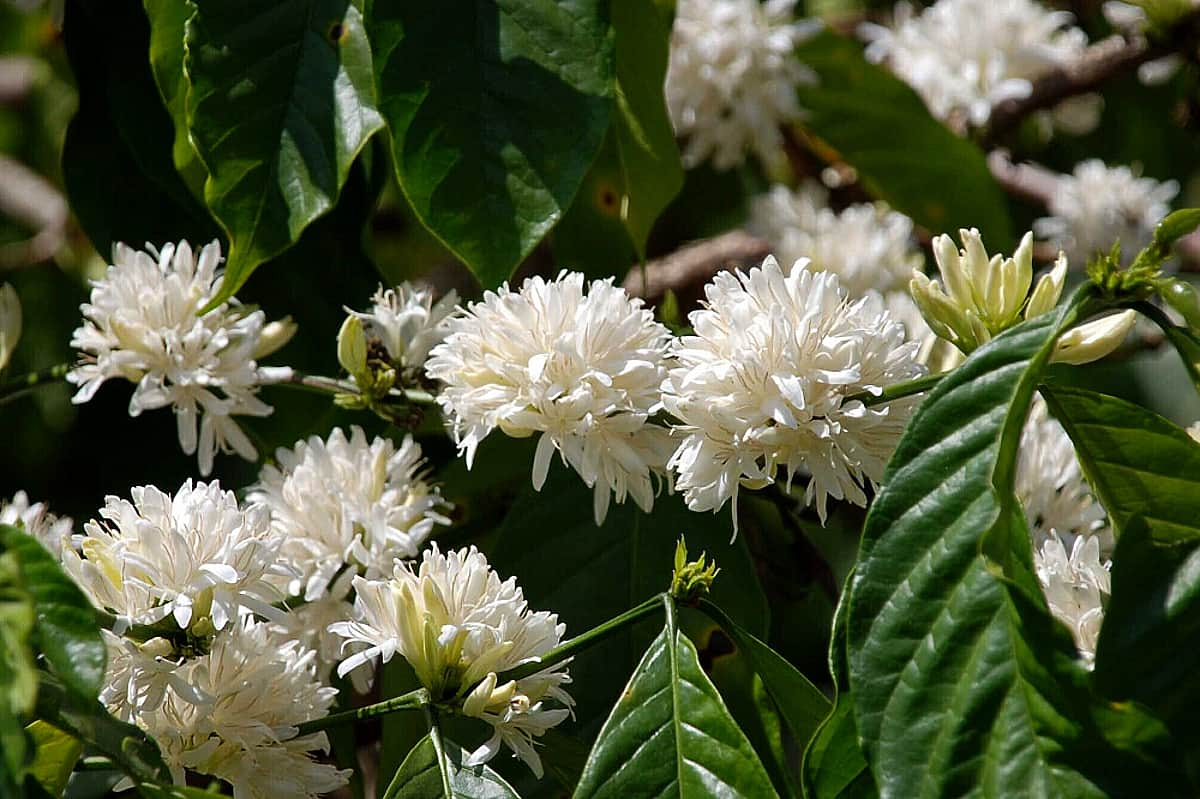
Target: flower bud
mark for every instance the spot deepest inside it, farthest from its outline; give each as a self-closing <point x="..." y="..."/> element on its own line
<point x="352" y="346"/>
<point x="10" y="323"/>
<point x="1182" y="296"/>
<point x="1093" y="340"/>
<point x="274" y="336"/>
<point x="1048" y="289"/>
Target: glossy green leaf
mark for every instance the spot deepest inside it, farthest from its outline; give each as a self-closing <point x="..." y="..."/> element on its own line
<point x="882" y="128"/>
<point x="1146" y="472"/>
<point x="168" y="23"/>
<point x="491" y="140"/>
<point x="963" y="684"/>
<point x="670" y="735"/>
<point x="18" y="674"/>
<point x="66" y="633"/>
<point x="282" y="100"/>
<point x="117" y="162"/>
<point x="55" y="756"/>
<point x="434" y="770"/>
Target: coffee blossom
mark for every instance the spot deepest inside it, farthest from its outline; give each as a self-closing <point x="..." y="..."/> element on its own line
<point x="143" y="324"/>
<point x="580" y="370"/>
<point x="459" y="625"/>
<point x="52" y="531"/>
<point x="765" y="383"/>
<point x="732" y="77"/>
<point x="407" y="323"/>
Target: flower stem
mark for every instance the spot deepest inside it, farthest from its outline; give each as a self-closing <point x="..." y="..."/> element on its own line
<point x="319" y="384"/>
<point x="413" y="700"/>
<point x="140" y="632"/>
<point x="897" y="390"/>
<point x="45" y="377"/>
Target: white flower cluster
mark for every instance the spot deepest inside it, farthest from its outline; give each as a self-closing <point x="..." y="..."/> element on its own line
<point x="965" y="56"/>
<point x="1070" y="540"/>
<point x="407" y="323"/>
<point x="1097" y="205"/>
<point x="582" y="370"/>
<point x="52" y="531"/>
<point x="766" y="382"/>
<point x="458" y="625"/>
<point x="143" y="324"/>
<point x="732" y="78"/>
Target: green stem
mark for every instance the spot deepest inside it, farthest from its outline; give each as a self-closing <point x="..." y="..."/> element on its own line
<point x="1182" y="338"/>
<point x="581" y="642"/>
<point x="319" y="384"/>
<point x="413" y="700"/>
<point x="45" y="377"/>
<point x="141" y="632"/>
<point x="897" y="390"/>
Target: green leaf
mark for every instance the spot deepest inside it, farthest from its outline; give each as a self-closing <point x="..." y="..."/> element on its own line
<point x="492" y="138"/>
<point x="18" y="674"/>
<point x="1146" y="472"/>
<point x="963" y="684"/>
<point x="168" y="22"/>
<point x="434" y="770"/>
<point x="117" y="162"/>
<point x="902" y="154"/>
<point x="671" y="735"/>
<point x="66" y="633"/>
<point x="55" y="756"/>
<point x="282" y="100"/>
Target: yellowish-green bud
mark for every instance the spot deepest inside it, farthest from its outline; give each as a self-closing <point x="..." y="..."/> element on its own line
<point x="274" y="336"/>
<point x="1048" y="289"/>
<point x="352" y="346"/>
<point x="1093" y="340"/>
<point x="10" y="323"/>
<point x="941" y="314"/>
<point x="691" y="579"/>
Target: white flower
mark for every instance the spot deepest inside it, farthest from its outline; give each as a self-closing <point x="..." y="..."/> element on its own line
<point x="458" y="625"/>
<point x="52" y="531"/>
<point x="407" y="322"/>
<point x="869" y="247"/>
<point x="233" y="713"/>
<point x="1075" y="586"/>
<point x="1097" y="205"/>
<point x="965" y="56"/>
<point x="584" y="371"/>
<point x="197" y="557"/>
<point x="10" y="322"/>
<point x="139" y="675"/>
<point x="143" y="324"/>
<point x="764" y="384"/>
<point x="732" y="77"/>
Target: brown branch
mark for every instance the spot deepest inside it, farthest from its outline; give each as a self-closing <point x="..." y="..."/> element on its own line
<point x="686" y="270"/>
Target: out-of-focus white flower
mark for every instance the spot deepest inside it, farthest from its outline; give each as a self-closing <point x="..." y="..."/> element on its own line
<point x="340" y="501"/>
<point x="764" y="382"/>
<point x="52" y="531"/>
<point x="459" y="625"/>
<point x="582" y="370"/>
<point x="309" y="624"/>
<point x="1097" y="205"/>
<point x="10" y="322"/>
<point x="965" y="56"/>
<point x="198" y="557"/>
<point x="732" y="78"/>
<point x="408" y="323"/>
<point x="1131" y="20"/>
<point x="237" y="716"/>
<point x="142" y="324"/>
<point x="1064" y="517"/>
<point x="869" y="247"/>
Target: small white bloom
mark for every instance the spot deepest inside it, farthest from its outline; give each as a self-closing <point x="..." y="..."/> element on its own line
<point x="10" y="323"/>
<point x="965" y="56"/>
<point x="459" y="625"/>
<point x="582" y="370"/>
<point x="1097" y="205"/>
<point x="408" y="323"/>
<point x="52" y="531"/>
<point x="1075" y="586"/>
<point x="142" y="324"/>
<point x="198" y="557"/>
<point x="732" y="77"/>
<point x="764" y="382"/>
<point x="233" y="714"/>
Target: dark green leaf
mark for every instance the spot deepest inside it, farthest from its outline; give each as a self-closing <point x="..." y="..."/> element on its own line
<point x="962" y="682"/>
<point x="882" y="128"/>
<point x="434" y="770"/>
<point x="282" y="100"/>
<point x="670" y="735"/>
<point x="492" y="138"/>
<point x="54" y="758"/>
<point x="168" y="21"/>
<point x="18" y="674"/>
<point x="66" y="632"/>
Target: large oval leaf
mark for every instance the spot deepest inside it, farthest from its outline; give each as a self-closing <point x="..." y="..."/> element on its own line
<point x="670" y="735"/>
<point x="492" y="137"/>
<point x="434" y="770"/>
<point x="882" y="128"/>
<point x="282" y="100"/>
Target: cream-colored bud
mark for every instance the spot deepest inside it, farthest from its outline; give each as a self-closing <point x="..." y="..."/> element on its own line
<point x="1093" y="340"/>
<point x="10" y="323"/>
<point x="940" y="313"/>
<point x="352" y="346"/>
<point x="274" y="336"/>
<point x="949" y="262"/>
<point x="1048" y="289"/>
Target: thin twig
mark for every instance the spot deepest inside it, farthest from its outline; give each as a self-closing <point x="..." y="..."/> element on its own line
<point x="686" y="270"/>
